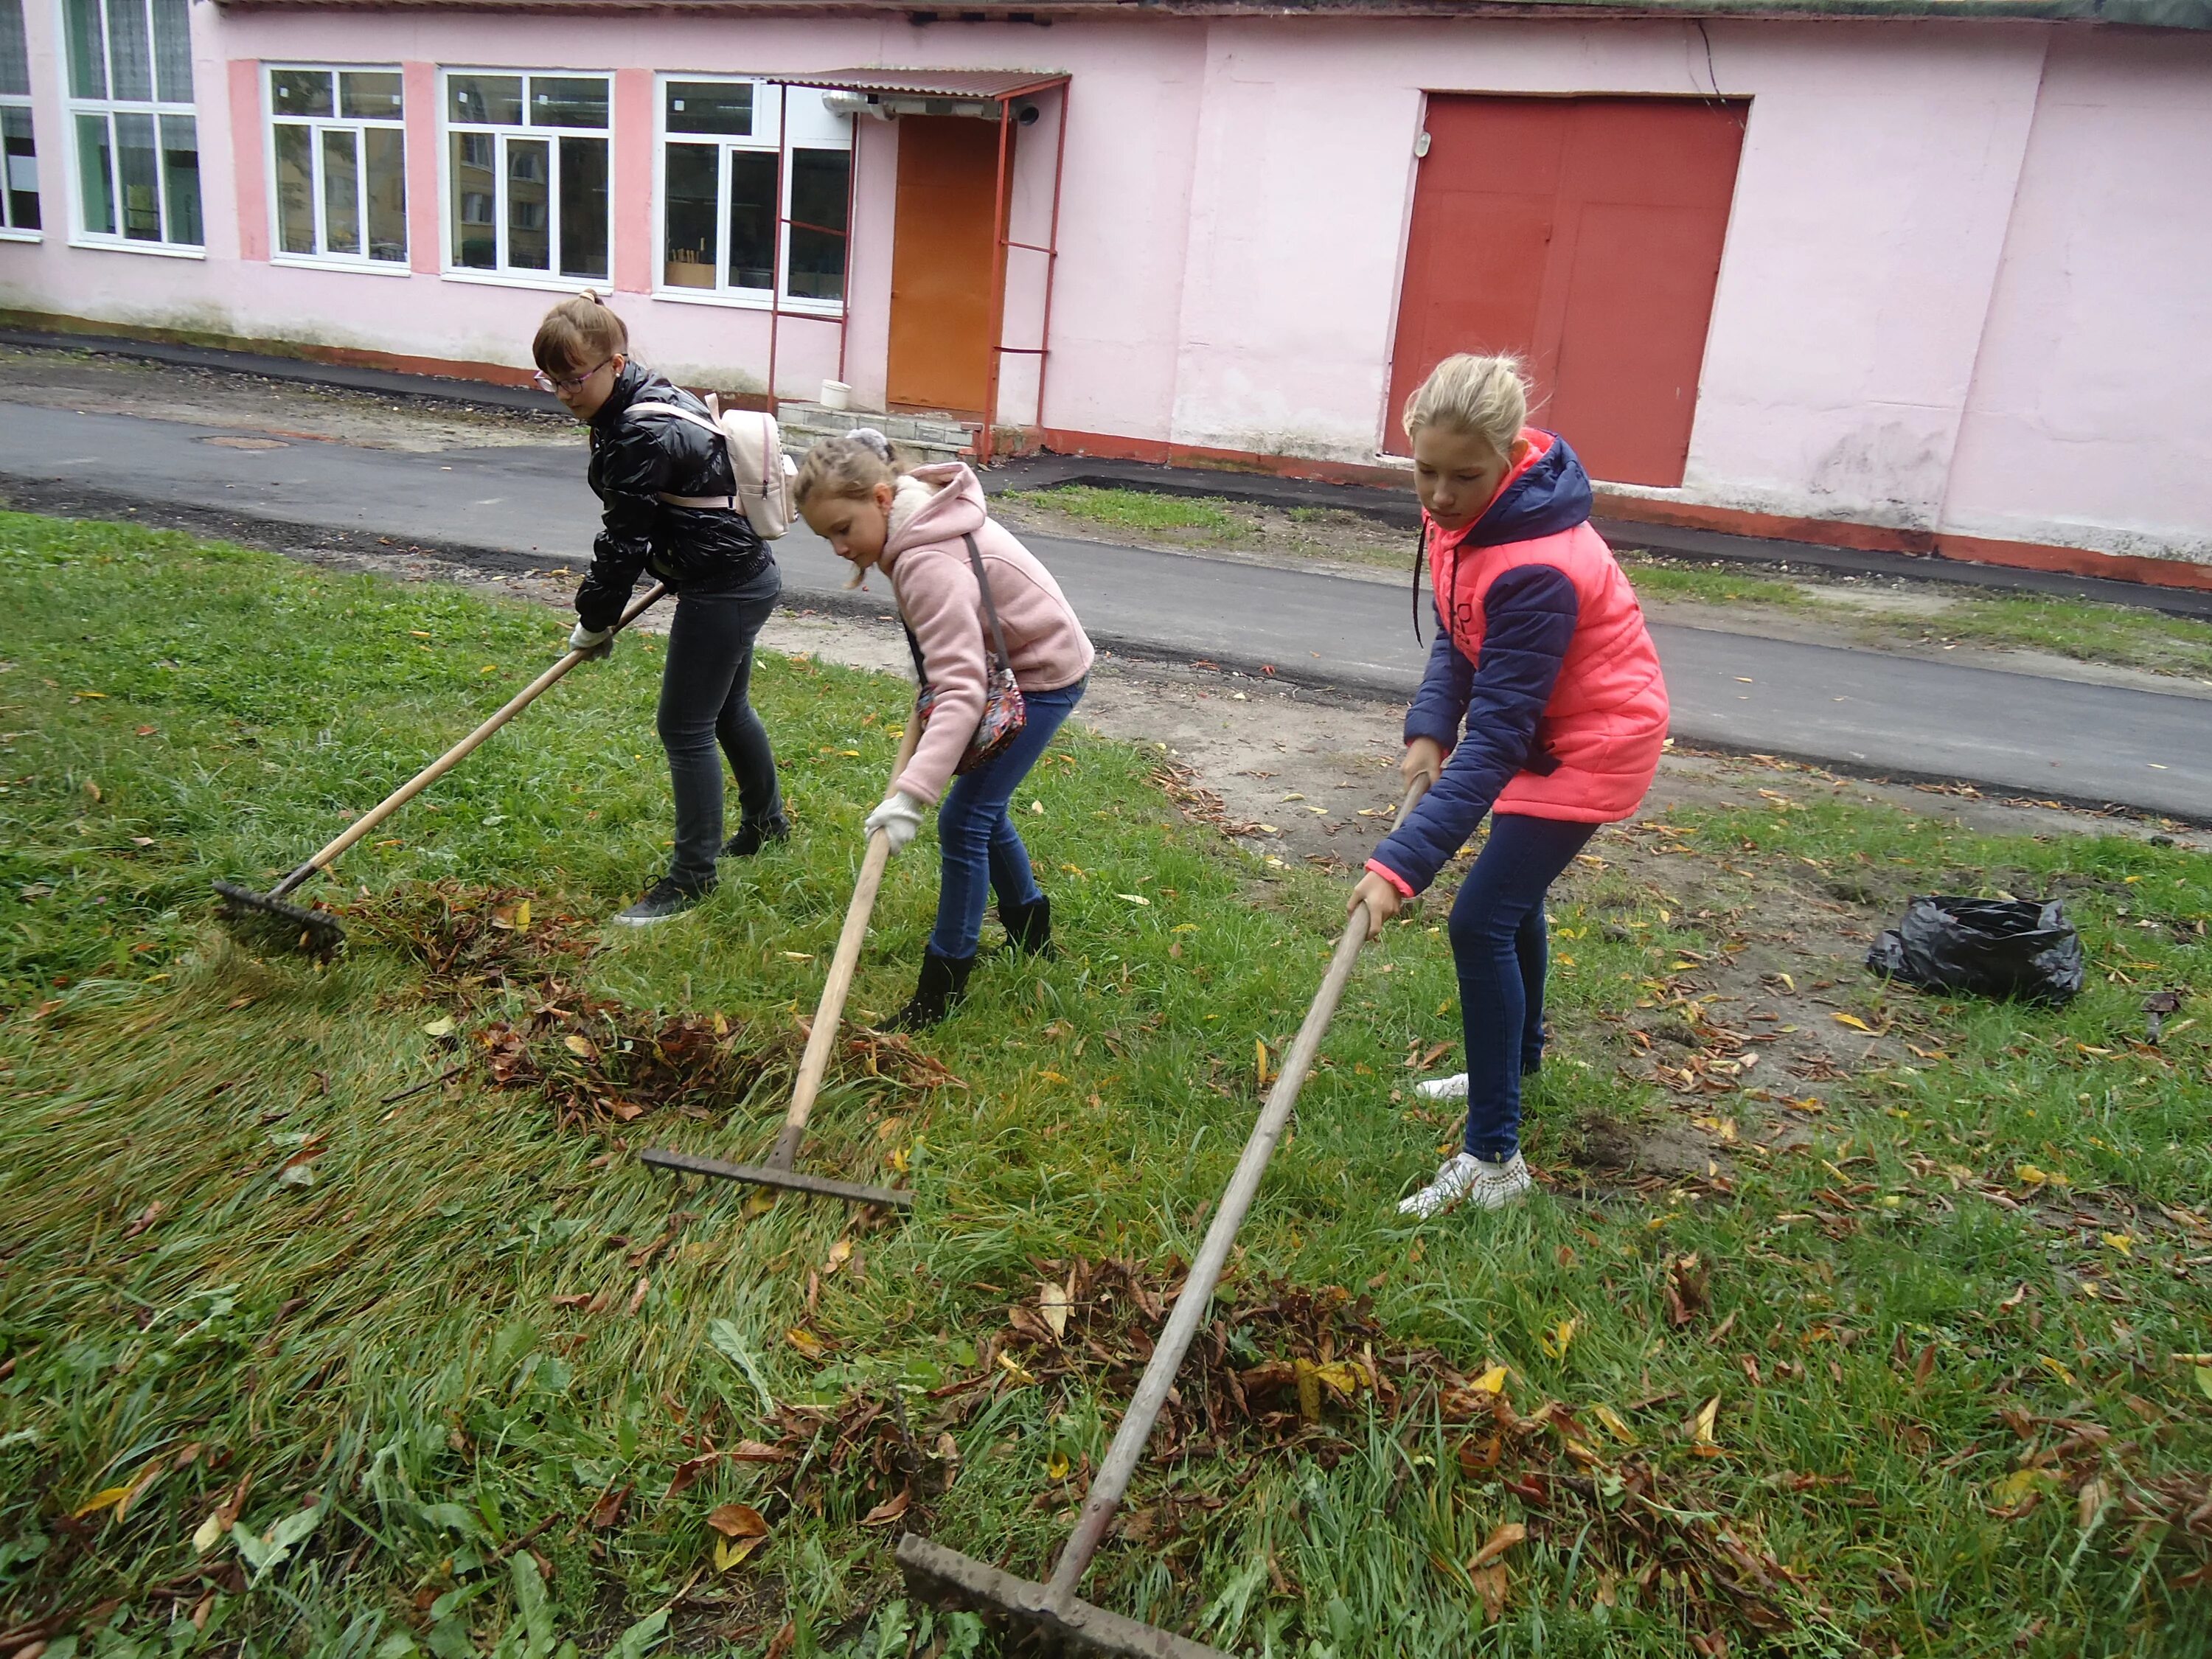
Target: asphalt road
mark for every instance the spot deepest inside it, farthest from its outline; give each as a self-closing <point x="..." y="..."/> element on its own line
<point x="1868" y="710"/>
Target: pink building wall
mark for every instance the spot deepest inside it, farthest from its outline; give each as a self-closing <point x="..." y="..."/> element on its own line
<point x="1962" y="291"/>
<point x="2089" y="421"/>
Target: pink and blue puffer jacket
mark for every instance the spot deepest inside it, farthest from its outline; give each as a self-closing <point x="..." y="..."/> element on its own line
<point x="1542" y="652"/>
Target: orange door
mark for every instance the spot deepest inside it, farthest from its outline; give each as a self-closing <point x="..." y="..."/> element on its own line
<point x="942" y="253"/>
<point x="1584" y="233"/>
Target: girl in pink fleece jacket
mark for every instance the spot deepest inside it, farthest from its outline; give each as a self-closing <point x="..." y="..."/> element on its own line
<point x="915" y="527"/>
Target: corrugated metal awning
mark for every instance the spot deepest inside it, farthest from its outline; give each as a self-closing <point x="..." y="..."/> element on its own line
<point x="991" y="85"/>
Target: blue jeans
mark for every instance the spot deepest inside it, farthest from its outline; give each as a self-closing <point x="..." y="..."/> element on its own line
<point x="979" y="850"/>
<point x="1500" y="944"/>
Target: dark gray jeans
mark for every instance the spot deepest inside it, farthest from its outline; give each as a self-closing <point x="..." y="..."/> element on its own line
<point x="703" y="704"/>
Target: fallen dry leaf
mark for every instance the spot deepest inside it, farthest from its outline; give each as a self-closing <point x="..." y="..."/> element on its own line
<point x="886" y="1512"/>
<point x="1702" y="1440"/>
<point x="580" y="1046"/>
<point x="687" y="1474"/>
<point x="1614" y="1425"/>
<point x="806" y="1342"/>
<point x="1053" y="1304"/>
<point x="146" y="1218"/>
<point x="730" y="1552"/>
<point x="1500" y="1540"/>
<point x="738" y="1521"/>
<point x="608" y="1510"/>
<point x="840" y="1254"/>
<point x="1490" y="1584"/>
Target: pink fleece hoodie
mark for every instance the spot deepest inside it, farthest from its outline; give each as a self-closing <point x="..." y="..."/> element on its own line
<point x="935" y="586"/>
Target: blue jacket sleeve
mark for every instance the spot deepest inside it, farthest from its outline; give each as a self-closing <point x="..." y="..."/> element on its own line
<point x="1441" y="703"/>
<point x="1528" y="621"/>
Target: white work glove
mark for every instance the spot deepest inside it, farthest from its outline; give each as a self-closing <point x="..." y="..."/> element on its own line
<point x="899" y="818"/>
<point x="596" y="643"/>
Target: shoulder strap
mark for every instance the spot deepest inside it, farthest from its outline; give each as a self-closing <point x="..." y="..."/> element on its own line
<point x="681" y="414"/>
<point x="725" y="503"/>
<point x="990" y="608"/>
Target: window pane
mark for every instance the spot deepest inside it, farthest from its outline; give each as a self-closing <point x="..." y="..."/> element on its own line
<point x="23" y="169"/>
<point x="818" y="180"/>
<point x="129" y="52"/>
<point x="138" y="170"/>
<point x="752" y="218"/>
<point x="583" y="207"/>
<point x="385" y="154"/>
<point x="14" y="50"/>
<point x="87" y="50"/>
<point x="475" y="201"/>
<point x="529" y="236"/>
<point x="493" y="99"/>
<point x="97" y="174"/>
<point x="300" y="92"/>
<point x="173" y="51"/>
<point x="694" y="184"/>
<point x="711" y="107"/>
<point x="369" y="97"/>
<point x="341" y="191"/>
<point x="296" y="189"/>
<point x="180" y="178"/>
<point x="568" y="102"/>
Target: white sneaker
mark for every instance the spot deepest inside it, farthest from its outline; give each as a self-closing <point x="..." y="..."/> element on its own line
<point x="1443" y="1088"/>
<point x="1467" y="1179"/>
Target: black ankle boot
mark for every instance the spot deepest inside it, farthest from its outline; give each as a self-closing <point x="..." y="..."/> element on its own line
<point x="751" y="837"/>
<point x="944" y="982"/>
<point x="1029" y="926"/>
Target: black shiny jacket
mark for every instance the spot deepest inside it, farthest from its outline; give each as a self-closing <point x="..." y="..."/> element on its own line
<point x="635" y="459"/>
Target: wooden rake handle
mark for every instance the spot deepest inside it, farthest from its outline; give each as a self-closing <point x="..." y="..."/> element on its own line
<point x="1112" y="1480"/>
<point x="824" y="1038"/>
<point x="453" y="757"/>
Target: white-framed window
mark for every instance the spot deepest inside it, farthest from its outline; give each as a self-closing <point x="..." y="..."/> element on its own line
<point x="525" y="164"/>
<point x="337" y="149"/>
<point x="133" y="135"/>
<point x="19" y="155"/>
<point x="723" y="144"/>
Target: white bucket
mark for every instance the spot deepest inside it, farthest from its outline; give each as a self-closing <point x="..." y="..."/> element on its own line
<point x="835" y="394"/>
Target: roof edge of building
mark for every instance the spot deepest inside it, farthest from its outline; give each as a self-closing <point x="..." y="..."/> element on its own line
<point x="2140" y="14"/>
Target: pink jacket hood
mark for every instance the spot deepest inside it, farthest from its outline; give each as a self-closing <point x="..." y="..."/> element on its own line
<point x="925" y="554"/>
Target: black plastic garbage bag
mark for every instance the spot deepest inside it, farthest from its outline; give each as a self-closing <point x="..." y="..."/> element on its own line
<point x="1992" y="947"/>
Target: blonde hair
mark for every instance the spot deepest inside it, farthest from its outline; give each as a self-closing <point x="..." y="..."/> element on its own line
<point x="579" y="333"/>
<point x="845" y="469"/>
<point x="1487" y="397"/>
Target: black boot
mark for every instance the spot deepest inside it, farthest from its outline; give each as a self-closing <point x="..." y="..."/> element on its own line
<point x="1029" y="926"/>
<point x="944" y="982"/>
<point x="751" y="837"/>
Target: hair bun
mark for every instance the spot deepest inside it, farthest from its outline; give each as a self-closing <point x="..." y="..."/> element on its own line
<point x="868" y="438"/>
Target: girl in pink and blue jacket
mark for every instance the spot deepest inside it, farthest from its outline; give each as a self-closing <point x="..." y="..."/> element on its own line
<point x="1541" y="654"/>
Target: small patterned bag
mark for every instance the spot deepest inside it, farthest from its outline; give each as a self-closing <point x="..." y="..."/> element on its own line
<point x="1005" y="714"/>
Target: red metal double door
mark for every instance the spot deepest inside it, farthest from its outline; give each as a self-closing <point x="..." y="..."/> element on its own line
<point x="1584" y="233"/>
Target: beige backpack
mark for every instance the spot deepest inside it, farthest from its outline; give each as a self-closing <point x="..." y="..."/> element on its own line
<point x="764" y="473"/>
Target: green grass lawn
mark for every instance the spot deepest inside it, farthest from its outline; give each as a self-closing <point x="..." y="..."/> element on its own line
<point x="1142" y="510"/>
<point x="294" y="1362"/>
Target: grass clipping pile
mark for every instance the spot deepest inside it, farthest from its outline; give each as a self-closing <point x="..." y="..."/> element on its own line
<point x="1283" y="1371"/>
<point x="595" y="1060"/>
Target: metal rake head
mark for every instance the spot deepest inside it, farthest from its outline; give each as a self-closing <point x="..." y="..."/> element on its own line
<point x="275" y="923"/>
<point x="1029" y="1612"/>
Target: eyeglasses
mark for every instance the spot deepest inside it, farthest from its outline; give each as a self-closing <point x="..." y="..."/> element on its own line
<point x="546" y="383"/>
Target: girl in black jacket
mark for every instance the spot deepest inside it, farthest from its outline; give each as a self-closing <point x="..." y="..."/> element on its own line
<point x="671" y="506"/>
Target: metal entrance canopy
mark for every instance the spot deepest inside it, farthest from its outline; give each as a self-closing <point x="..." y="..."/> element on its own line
<point x="953" y="87"/>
